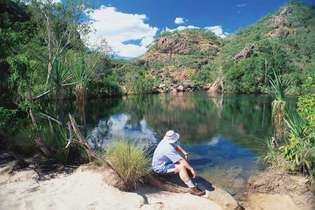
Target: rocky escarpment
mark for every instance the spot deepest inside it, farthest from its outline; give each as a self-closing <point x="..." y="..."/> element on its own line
<point x="175" y="58"/>
<point x="195" y="59"/>
<point x="285" y="23"/>
<point x="244" y="53"/>
<point x="178" y="43"/>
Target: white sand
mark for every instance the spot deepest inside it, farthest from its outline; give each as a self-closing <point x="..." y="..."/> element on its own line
<point x="86" y="189"/>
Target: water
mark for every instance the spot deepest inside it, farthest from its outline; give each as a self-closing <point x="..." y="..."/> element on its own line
<point x="224" y="135"/>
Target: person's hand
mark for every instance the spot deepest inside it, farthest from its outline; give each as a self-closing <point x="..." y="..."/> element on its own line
<point x="186" y="156"/>
<point x="193" y="173"/>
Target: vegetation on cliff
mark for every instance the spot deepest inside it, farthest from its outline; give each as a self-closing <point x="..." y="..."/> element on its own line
<point x="281" y="42"/>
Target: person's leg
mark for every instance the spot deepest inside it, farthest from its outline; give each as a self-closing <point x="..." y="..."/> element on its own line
<point x="183" y="174"/>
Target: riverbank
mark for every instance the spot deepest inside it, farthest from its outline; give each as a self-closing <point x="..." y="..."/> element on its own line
<point x="91" y="187"/>
<point x="276" y="189"/>
<point x="86" y="188"/>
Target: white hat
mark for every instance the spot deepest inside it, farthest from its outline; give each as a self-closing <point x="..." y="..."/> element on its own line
<point x="171" y="136"/>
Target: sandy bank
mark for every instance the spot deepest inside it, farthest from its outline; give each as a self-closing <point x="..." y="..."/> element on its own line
<point x="275" y="189"/>
<point x="86" y="189"/>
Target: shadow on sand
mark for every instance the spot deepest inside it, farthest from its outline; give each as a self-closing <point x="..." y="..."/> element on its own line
<point x="200" y="182"/>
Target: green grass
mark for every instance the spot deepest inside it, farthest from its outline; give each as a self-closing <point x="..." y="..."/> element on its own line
<point x="129" y="162"/>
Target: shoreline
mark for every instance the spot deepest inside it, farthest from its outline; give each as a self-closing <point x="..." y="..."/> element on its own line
<point x="92" y="187"/>
<point x="87" y="188"/>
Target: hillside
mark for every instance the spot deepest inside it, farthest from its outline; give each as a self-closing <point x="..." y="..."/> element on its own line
<point x="192" y="59"/>
<point x="283" y="42"/>
<point x="182" y="59"/>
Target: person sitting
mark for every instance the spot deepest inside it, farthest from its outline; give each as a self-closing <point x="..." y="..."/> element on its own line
<point x="170" y="157"/>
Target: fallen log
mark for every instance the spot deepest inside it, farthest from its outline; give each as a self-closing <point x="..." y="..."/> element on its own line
<point x="81" y="141"/>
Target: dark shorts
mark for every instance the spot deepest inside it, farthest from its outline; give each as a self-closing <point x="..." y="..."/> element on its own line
<point x="167" y="168"/>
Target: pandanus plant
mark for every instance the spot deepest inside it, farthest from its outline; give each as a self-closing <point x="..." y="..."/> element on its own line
<point x="83" y="71"/>
<point x="279" y="86"/>
<point x="60" y="78"/>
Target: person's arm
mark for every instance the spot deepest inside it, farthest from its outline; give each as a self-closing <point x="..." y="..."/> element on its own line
<point x="181" y="150"/>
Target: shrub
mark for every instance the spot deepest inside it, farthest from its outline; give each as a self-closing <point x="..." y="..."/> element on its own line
<point x="5" y="116"/>
<point x="278" y="88"/>
<point x="139" y="82"/>
<point x="299" y="150"/>
<point x="204" y="75"/>
<point x="129" y="162"/>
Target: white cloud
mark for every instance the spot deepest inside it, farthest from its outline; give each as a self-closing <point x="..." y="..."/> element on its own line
<point x="50" y="1"/>
<point x="242" y="5"/>
<point x="181" y="28"/>
<point x="179" y="21"/>
<point x="27" y="2"/>
<point x="217" y="30"/>
<point x="117" y="28"/>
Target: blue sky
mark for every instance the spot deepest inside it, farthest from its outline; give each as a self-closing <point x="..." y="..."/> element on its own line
<point x="129" y="26"/>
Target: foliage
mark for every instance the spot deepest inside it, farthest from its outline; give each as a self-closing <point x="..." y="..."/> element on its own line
<point x="274" y="157"/>
<point x="5" y="115"/>
<point x="105" y="86"/>
<point x="290" y="54"/>
<point x="138" y="80"/>
<point x="129" y="162"/>
<point x="192" y="34"/>
<point x="299" y="150"/>
<point x="279" y="86"/>
<point x="204" y="76"/>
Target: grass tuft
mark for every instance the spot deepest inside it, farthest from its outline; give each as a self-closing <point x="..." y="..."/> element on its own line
<point x="129" y="162"/>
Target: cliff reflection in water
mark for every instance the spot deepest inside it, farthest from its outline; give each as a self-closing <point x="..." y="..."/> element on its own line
<point x="245" y="120"/>
<point x="224" y="134"/>
<point x="117" y="127"/>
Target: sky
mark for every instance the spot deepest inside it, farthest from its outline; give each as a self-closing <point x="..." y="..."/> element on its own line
<point x="129" y="26"/>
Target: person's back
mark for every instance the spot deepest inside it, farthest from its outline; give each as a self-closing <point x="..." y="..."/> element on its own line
<point x="167" y="159"/>
<point x="164" y="157"/>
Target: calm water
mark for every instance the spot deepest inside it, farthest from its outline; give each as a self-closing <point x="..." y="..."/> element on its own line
<point x="224" y="135"/>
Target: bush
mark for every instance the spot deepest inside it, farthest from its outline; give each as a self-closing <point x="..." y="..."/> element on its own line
<point x="139" y="82"/>
<point x="299" y="150"/>
<point x="205" y="75"/>
<point x="5" y="116"/>
<point x="129" y="162"/>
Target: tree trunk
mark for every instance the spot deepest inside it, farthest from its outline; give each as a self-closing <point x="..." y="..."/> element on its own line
<point x="49" y="46"/>
<point x="81" y="94"/>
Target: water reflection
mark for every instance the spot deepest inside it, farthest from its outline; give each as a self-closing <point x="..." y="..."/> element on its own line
<point x="118" y="127"/>
<point x="225" y="163"/>
<point x="224" y="134"/>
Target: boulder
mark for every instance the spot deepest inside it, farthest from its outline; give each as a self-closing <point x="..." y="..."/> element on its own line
<point x="223" y="198"/>
<point x="187" y="84"/>
<point x="162" y="85"/>
<point x="172" y="183"/>
<point x="215" y="87"/>
<point x="244" y="53"/>
<point x="206" y="87"/>
<point x="180" y="88"/>
<point x="172" y="45"/>
<point x="173" y="91"/>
